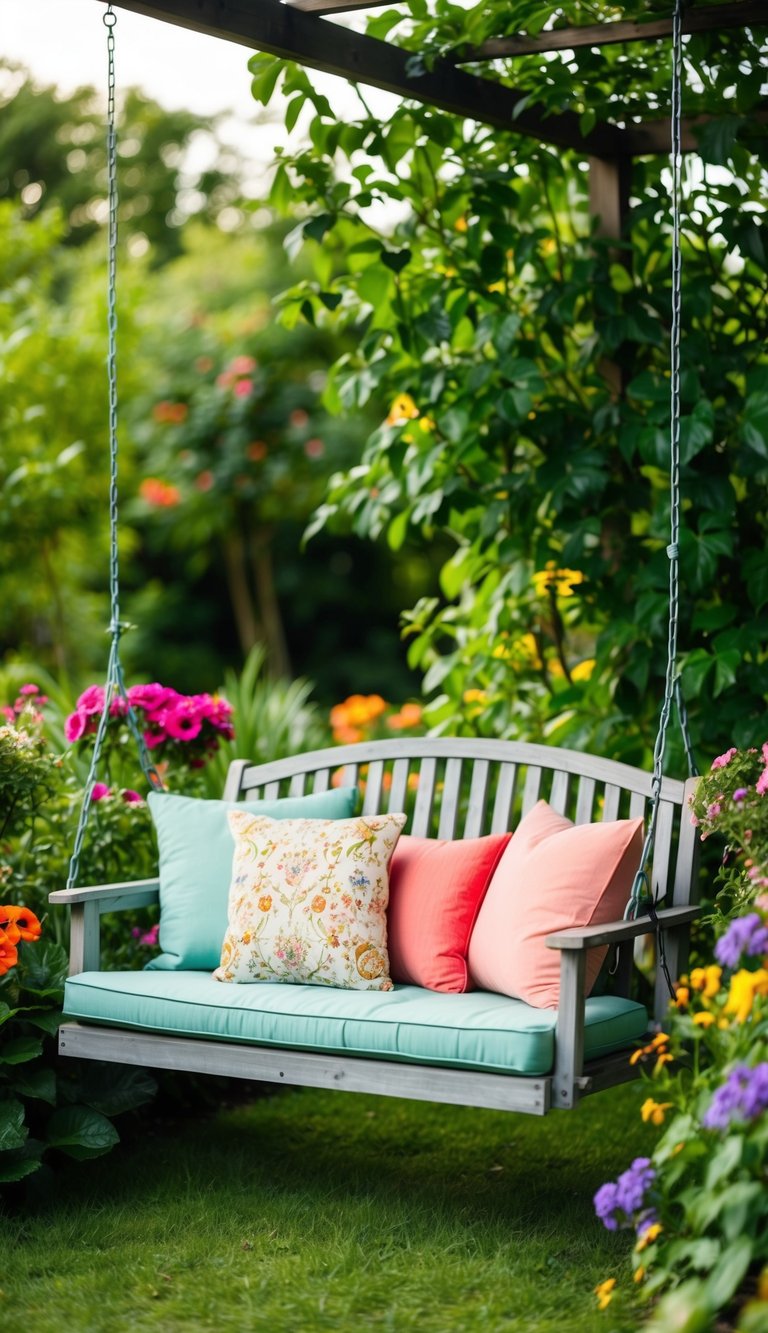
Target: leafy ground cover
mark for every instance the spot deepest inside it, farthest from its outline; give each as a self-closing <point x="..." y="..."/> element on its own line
<point x="309" y="1210"/>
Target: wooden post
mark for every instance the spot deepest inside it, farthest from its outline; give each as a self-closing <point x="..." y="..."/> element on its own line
<point x="609" y="181"/>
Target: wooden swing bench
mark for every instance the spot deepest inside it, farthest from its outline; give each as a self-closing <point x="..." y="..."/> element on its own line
<point x="470" y="785"/>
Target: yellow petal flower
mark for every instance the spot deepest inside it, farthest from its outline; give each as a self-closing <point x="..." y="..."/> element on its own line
<point x="604" y="1292"/>
<point x="704" y="1019"/>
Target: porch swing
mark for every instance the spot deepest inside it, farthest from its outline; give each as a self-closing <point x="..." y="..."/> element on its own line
<point x="476" y="1047"/>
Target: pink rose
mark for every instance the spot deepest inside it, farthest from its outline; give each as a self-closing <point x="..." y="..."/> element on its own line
<point x="74" y="727"/>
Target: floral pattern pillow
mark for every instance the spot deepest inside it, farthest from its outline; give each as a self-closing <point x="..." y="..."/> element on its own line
<point x="308" y="901"/>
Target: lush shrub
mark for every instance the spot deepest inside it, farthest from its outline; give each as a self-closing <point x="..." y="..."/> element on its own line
<point x="699" y="1204"/>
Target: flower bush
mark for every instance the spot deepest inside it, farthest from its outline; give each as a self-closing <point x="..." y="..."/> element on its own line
<point x="369" y="717"/>
<point x="699" y="1205"/>
<point x="42" y="1106"/>
<point x="184" y="727"/>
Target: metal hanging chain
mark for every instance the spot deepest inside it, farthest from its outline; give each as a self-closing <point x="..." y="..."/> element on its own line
<point x="642" y="894"/>
<point x="114" y="689"/>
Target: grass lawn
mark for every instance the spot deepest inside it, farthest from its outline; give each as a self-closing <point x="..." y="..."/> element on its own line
<point x="314" y="1210"/>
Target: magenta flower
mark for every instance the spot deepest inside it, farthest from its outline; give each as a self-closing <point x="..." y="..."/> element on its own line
<point x="99" y="791"/>
<point x="740" y="793"/>
<point x="154" y="738"/>
<point x="150" y="697"/>
<point x="132" y="797"/>
<point x="149" y="939"/>
<point x="8" y="713"/>
<point x="75" y="726"/>
<point x="724" y="759"/>
<point x="29" y="689"/>
<point x="91" y="700"/>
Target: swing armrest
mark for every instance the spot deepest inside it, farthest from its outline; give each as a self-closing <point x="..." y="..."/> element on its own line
<point x="86" y="906"/>
<point x="568" y="1079"/>
<point x="617" y="932"/>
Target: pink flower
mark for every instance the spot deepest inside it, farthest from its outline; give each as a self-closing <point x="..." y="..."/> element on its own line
<point x="149" y="696"/>
<point x="723" y="759"/>
<point x="761" y="786"/>
<point x="184" y="722"/>
<point x="74" y="727"/>
<point x="8" y="713"/>
<point x="91" y="700"/>
<point x="154" y="738"/>
<point x="118" y="707"/>
<point x="243" y="388"/>
<point x="132" y="797"/>
<point x="714" y="810"/>
<point x="314" y="448"/>
<point x="242" y="365"/>
<point x="99" y="791"/>
<point x="29" y="689"/>
<point x="149" y="939"/>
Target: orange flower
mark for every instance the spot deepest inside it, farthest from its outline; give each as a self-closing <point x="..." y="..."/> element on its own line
<point x="265" y="903"/>
<point x="171" y="414"/>
<point x="8" y="954"/>
<point x="159" y="493"/>
<point x="318" y="903"/>
<point x="18" y="923"/>
<point x="409" y="716"/>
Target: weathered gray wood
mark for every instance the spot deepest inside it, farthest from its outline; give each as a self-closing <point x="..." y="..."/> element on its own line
<point x="585" y="801"/>
<point x="84" y="941"/>
<point x="636" y="806"/>
<point x="501" y="819"/>
<point x="478" y="796"/>
<point x="148" y="889"/>
<point x="349" y="775"/>
<point x="449" y="807"/>
<point x="266" y="25"/>
<point x="271" y="791"/>
<point x="551" y="757"/>
<point x="712" y="17"/>
<point x="606" y="1072"/>
<point x="611" y="802"/>
<point x="685" y="886"/>
<point x="532" y="788"/>
<point x="425" y="795"/>
<point x="322" y="780"/>
<point x="297" y="785"/>
<point x="373" y="786"/>
<point x="614" y="932"/>
<point x="240" y="1060"/>
<point x="662" y="849"/>
<point x="399" y="788"/>
<point x="569" y="1041"/>
<point x="236" y="784"/>
<point x="558" y="795"/>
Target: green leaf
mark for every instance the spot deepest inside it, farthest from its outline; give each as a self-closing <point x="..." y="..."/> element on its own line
<point x="38" y="1084"/>
<point x="727" y="1275"/>
<point x="114" y="1089"/>
<point x="754" y="427"/>
<point x="397" y="530"/>
<point x="317" y="226"/>
<point x="20" y="1049"/>
<point x="696" y="430"/>
<point x="48" y="1020"/>
<point x="396" y="260"/>
<point x="43" y="968"/>
<point x="13" y="1131"/>
<point x="716" y="139"/>
<point x="81" y="1132"/>
<point x="19" y="1163"/>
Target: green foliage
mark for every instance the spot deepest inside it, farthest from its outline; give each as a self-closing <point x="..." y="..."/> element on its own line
<point x="274" y="718"/>
<point x="730" y="802"/>
<point x="41" y="1107"/>
<point x="53" y="157"/>
<point x="493" y="327"/>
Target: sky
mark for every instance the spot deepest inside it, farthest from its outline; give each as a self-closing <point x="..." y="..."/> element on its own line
<point x="64" y="42"/>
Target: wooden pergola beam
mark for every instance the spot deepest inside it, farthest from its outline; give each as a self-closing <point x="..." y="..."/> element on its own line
<point x="334" y="6"/>
<point x="713" y="17"/>
<point x="267" y="25"/>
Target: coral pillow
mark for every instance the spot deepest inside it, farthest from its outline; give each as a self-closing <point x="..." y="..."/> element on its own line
<point x="308" y="901"/>
<point x="554" y="874"/>
<point x="435" y="892"/>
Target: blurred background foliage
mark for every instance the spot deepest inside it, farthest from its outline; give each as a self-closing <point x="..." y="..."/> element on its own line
<point x="220" y="467"/>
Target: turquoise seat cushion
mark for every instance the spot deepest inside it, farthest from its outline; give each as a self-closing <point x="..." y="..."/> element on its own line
<point x="195" y="849"/>
<point x="474" y="1030"/>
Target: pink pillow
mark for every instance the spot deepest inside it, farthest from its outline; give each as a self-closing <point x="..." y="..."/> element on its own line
<point x="554" y="874"/>
<point x="435" y="892"/>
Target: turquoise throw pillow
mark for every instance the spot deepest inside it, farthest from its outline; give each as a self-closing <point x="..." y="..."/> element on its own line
<point x="195" y="854"/>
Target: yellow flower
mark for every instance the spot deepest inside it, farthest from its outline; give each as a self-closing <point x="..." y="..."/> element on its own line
<point x="648" y="1237"/>
<point x="664" y="1059"/>
<point x="744" y="987"/>
<point x="707" y="979"/>
<point x="559" y="581"/>
<point x="583" y="670"/>
<point x="497" y="287"/>
<point x="604" y="1293"/>
<point x="654" y="1111"/>
<point x="682" y="996"/>
<point x="461" y="224"/>
<point x="639" y="1274"/>
<point x="704" y="1019"/>
<point x="402" y="409"/>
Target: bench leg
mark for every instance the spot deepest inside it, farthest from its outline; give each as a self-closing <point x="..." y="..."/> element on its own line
<point x="569" y="1050"/>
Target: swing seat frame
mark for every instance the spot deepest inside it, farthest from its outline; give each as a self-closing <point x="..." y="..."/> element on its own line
<point x="465" y="788"/>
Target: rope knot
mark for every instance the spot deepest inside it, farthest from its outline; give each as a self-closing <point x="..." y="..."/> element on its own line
<point x="673" y="551"/>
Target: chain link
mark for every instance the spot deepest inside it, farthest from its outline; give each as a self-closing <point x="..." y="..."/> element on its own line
<point x="641" y="888"/>
<point x="114" y="688"/>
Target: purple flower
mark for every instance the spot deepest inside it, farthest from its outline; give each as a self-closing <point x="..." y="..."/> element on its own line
<point x="743" y="1096"/>
<point x="746" y="935"/>
<point x="740" y="793"/>
<point x="626" y="1195"/>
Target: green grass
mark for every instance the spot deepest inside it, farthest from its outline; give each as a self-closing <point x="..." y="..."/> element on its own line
<point x="310" y="1210"/>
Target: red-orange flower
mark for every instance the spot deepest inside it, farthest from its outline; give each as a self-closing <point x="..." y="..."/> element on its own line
<point x="18" y="923"/>
<point x="8" y="954"/>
